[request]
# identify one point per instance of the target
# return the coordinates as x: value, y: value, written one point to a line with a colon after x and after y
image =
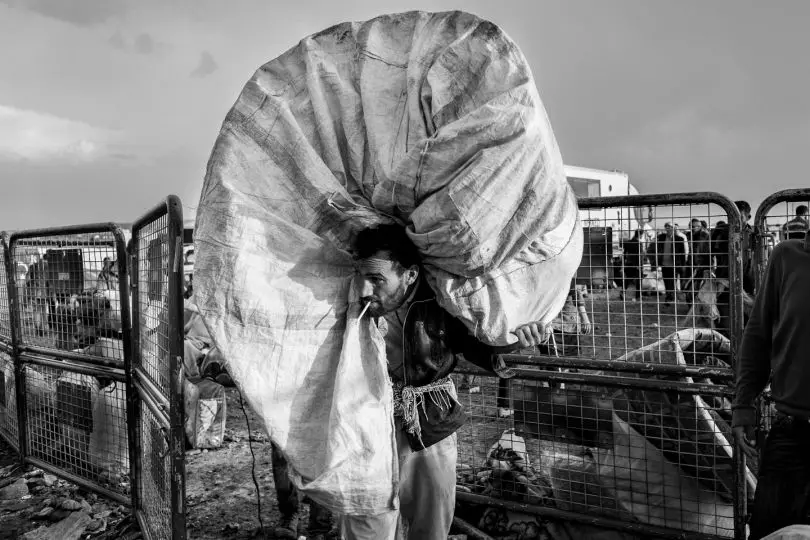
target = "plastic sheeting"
x: 429, y: 120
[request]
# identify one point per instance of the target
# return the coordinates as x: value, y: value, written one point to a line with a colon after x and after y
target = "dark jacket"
x: 720, y: 245
x: 433, y: 342
x: 680, y: 248
x: 633, y: 254
x: 699, y: 243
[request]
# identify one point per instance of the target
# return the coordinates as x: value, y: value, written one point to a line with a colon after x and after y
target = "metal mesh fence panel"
x: 69, y: 293
x: 646, y: 272
x: 152, y: 275
x: 158, y: 414
x: 5, y: 307
x: 155, y: 479
x: 8, y: 401
x: 76, y: 423
x: 652, y: 457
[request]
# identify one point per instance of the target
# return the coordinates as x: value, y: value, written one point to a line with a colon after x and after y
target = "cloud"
x: 144, y: 44
x: 117, y: 41
x: 206, y: 66
x: 78, y: 12
x: 36, y: 137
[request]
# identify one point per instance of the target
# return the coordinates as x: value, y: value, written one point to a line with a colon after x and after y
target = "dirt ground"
x: 221, y: 499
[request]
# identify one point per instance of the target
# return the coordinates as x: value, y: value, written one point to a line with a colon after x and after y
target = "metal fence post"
x: 178, y: 439
x: 15, y: 307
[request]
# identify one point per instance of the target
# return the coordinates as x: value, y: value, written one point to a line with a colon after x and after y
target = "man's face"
x: 746, y: 216
x: 695, y: 226
x: 668, y: 229
x: 384, y: 283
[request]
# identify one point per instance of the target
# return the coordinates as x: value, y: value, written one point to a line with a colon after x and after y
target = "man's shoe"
x: 287, y: 527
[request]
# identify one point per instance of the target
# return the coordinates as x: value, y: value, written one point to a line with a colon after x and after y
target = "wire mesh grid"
x: 69, y: 294
x: 645, y: 273
x: 5, y: 313
x: 77, y: 423
x: 8, y: 401
x: 639, y: 456
x: 155, y: 478
x: 153, y: 298
x: 778, y: 221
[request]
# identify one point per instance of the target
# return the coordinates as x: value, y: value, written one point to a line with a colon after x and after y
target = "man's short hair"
x: 389, y: 239
x: 704, y: 224
x: 743, y: 206
x: 695, y: 220
x: 801, y: 210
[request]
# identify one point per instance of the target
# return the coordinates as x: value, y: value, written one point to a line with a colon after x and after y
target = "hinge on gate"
x: 133, y: 272
x: 168, y: 443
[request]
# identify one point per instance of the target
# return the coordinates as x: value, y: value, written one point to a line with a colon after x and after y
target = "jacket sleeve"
x: 461, y: 342
x: 753, y: 365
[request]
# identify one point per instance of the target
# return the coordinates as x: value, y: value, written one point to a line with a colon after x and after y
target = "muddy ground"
x: 221, y: 498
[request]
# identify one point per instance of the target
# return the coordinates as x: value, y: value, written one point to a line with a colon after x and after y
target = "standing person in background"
x: 632, y: 264
x: 796, y: 228
x: 648, y: 236
x: 108, y: 278
x: 747, y: 247
x: 37, y: 294
x: 670, y: 252
x: 774, y: 348
x: 699, y: 244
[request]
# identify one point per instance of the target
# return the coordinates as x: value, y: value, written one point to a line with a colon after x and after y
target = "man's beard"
x: 378, y: 309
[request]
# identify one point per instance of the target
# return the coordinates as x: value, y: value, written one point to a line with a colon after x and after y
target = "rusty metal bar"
x: 612, y: 381
x: 73, y: 367
x: 515, y: 360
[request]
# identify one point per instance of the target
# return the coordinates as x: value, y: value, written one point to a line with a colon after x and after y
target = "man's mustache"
x: 369, y: 299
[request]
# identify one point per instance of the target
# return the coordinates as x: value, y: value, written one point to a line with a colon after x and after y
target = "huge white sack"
x: 431, y: 120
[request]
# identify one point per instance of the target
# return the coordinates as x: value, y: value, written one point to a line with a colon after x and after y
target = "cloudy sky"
x: 108, y: 105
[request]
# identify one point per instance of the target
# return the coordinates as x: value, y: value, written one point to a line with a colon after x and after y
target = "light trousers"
x: 427, y: 497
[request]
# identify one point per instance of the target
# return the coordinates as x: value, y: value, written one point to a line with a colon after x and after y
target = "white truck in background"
x: 604, y: 228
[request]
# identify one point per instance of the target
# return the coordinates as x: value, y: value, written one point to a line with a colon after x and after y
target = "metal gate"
x: 623, y: 419
x: 154, y: 375
x: 69, y: 349
x: 770, y: 221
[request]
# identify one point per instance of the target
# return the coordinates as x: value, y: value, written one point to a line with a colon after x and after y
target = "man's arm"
x: 460, y: 341
x: 754, y: 359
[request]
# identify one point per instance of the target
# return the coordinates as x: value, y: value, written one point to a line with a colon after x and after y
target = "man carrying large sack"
x: 421, y: 343
x: 430, y: 122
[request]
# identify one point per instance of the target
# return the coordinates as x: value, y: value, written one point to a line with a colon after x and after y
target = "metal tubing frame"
x: 520, y: 360
x: 64, y: 360
x: 173, y: 209
x: 20, y: 237
x: 19, y: 382
x: 786, y: 195
x: 735, y: 269
x: 540, y: 374
x: 73, y: 367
